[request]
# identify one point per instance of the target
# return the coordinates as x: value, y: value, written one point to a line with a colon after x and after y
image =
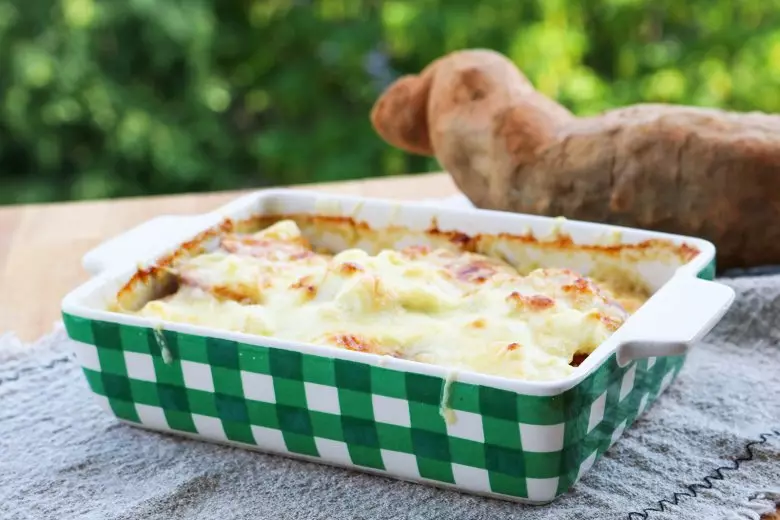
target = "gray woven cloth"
x: 62, y: 457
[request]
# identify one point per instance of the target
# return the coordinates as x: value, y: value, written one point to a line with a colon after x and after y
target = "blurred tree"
x: 130, y: 97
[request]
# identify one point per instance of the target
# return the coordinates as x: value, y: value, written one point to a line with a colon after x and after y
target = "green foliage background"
x: 126, y: 97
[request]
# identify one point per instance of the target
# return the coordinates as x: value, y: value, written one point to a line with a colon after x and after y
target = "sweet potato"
x: 694, y: 171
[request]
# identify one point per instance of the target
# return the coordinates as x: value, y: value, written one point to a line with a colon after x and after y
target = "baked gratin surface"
x: 459, y: 309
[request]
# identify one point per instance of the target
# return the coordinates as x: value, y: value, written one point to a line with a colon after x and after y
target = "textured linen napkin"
x: 709, y: 448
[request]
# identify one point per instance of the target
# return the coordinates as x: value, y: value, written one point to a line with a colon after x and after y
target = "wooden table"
x: 41, y: 245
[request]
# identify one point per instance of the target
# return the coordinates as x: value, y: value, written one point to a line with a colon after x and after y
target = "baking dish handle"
x: 679, y: 314
x: 143, y: 240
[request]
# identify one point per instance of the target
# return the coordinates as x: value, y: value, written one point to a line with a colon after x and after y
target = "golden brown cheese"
x: 462, y: 310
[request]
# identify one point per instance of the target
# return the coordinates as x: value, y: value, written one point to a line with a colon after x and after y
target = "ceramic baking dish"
x: 506, y: 438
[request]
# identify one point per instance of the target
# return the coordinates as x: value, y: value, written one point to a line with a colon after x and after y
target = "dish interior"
x: 614, y: 266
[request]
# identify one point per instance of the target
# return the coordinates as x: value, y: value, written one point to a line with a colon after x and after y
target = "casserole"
x: 522, y: 440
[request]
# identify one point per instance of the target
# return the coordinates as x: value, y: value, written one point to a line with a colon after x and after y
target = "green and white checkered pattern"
x: 349, y: 413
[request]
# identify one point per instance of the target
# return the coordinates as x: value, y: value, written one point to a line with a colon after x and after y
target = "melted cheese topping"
x: 457, y: 309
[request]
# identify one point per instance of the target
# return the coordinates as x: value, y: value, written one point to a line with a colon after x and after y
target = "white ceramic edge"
x: 71, y: 304
x: 347, y: 466
x: 680, y: 313
x: 148, y: 236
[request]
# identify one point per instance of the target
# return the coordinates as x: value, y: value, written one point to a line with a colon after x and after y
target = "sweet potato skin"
x: 686, y: 170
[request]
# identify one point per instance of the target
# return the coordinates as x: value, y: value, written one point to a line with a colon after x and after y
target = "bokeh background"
x: 107, y: 98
